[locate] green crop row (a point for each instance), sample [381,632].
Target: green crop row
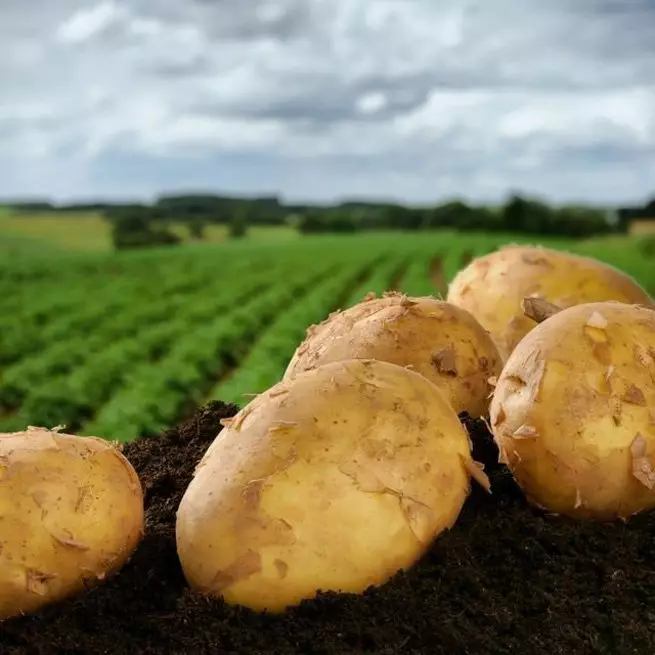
[126,344]
[264,365]
[47,360]
[48,397]
[156,394]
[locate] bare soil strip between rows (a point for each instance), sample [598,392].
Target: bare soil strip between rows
[7,415]
[358,281]
[234,363]
[161,354]
[437,277]
[396,282]
[466,258]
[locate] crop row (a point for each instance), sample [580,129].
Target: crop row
[155,395]
[142,329]
[110,306]
[126,345]
[70,398]
[265,363]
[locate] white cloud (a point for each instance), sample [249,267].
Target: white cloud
[330,97]
[371,103]
[88,23]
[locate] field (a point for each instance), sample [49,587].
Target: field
[129,344]
[88,232]
[134,344]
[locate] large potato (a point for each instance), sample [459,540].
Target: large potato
[331,481]
[437,339]
[71,514]
[340,321]
[573,412]
[492,287]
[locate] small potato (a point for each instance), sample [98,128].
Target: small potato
[492,287]
[71,514]
[573,412]
[334,480]
[434,338]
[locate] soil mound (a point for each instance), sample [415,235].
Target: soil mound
[506,579]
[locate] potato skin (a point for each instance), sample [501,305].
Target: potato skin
[339,323]
[437,339]
[333,480]
[573,412]
[493,287]
[71,514]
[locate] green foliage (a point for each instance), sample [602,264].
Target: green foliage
[135,227]
[126,344]
[239,223]
[519,214]
[333,220]
[646,245]
[628,214]
[197,228]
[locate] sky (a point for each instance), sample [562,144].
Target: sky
[417,101]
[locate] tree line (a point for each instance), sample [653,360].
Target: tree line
[137,225]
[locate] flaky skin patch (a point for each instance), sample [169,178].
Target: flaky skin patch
[443,342]
[572,411]
[335,484]
[494,287]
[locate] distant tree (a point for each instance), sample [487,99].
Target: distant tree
[514,214]
[338,220]
[528,216]
[646,245]
[135,228]
[581,222]
[398,217]
[309,222]
[454,214]
[335,219]
[238,226]
[196,228]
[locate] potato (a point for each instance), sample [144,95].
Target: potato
[573,412]
[71,514]
[437,339]
[492,287]
[339,321]
[331,481]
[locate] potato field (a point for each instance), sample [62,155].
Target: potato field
[411,476]
[129,344]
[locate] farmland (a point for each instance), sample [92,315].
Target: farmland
[89,231]
[128,344]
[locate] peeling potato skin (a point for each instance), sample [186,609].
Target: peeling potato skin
[493,287]
[436,339]
[334,326]
[574,410]
[333,480]
[71,514]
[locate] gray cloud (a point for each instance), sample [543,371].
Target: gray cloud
[329,97]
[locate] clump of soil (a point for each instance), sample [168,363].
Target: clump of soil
[506,579]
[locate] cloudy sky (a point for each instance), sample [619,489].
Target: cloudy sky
[417,100]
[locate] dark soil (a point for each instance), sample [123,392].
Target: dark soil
[506,580]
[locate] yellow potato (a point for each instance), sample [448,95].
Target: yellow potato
[492,287]
[436,339]
[339,321]
[71,514]
[331,481]
[573,412]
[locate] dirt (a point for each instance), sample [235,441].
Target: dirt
[467,258]
[396,282]
[437,276]
[506,579]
